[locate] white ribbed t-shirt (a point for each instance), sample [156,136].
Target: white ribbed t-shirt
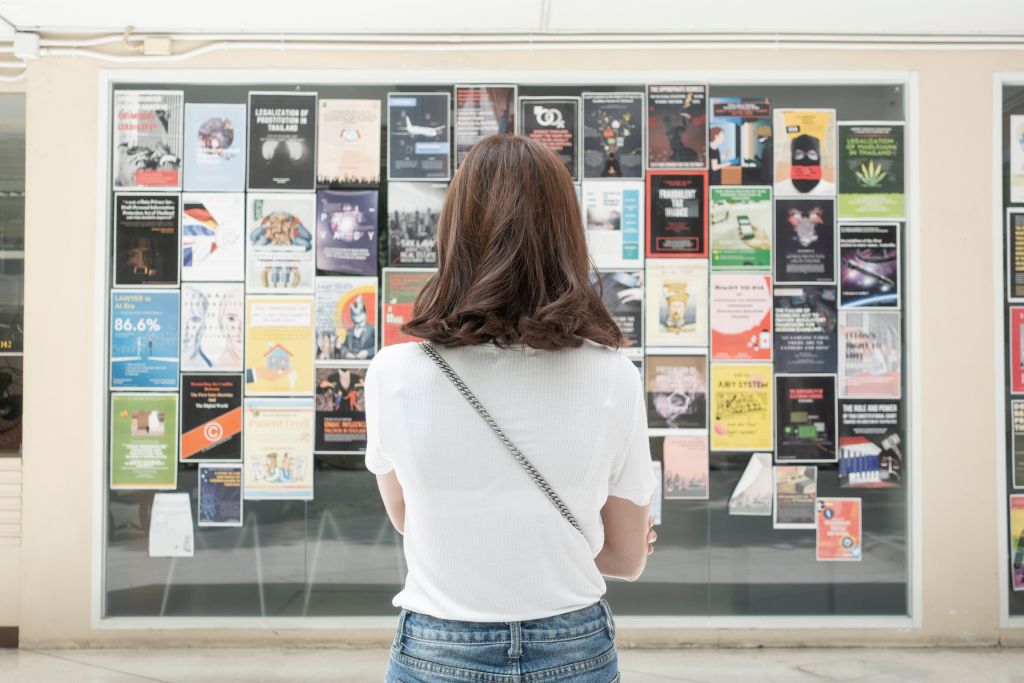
[482,542]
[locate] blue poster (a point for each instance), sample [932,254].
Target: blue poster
[144,339]
[220,494]
[215,144]
[346,225]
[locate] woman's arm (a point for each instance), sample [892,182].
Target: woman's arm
[628,539]
[394,499]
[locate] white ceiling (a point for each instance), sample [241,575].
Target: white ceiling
[807,18]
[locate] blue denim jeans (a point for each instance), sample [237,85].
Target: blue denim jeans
[576,646]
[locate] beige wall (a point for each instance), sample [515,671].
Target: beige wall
[956,457]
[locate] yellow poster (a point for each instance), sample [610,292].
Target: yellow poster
[805,152]
[278,345]
[741,407]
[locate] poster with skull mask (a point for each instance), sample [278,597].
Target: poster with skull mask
[805,152]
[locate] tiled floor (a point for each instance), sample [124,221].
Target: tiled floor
[638,666]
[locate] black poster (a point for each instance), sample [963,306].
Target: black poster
[805,418]
[613,135]
[870,444]
[869,264]
[623,292]
[146,240]
[282,141]
[419,142]
[12,387]
[806,329]
[677,126]
[211,417]
[677,391]
[676,218]
[340,410]
[805,241]
[555,123]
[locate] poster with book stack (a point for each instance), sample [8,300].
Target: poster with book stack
[264,247]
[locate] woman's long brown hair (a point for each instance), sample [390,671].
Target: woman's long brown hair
[513,266]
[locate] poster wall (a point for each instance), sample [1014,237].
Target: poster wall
[282,141]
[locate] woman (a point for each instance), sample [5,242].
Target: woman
[500,587]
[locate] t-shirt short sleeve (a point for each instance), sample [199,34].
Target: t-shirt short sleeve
[632,473]
[376,460]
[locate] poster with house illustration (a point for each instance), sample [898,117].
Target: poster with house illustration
[279,345]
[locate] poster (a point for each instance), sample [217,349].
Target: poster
[838,530]
[215,136]
[870,444]
[211,417]
[805,418]
[685,461]
[347,232]
[677,222]
[413,212]
[1015,254]
[677,391]
[741,407]
[794,491]
[806,329]
[676,305]
[346,318]
[419,147]
[282,141]
[805,152]
[340,409]
[143,441]
[213,237]
[805,240]
[613,214]
[555,123]
[871,170]
[399,289]
[623,295]
[1017,159]
[677,126]
[278,448]
[278,345]
[279,251]
[1016,444]
[12,392]
[740,138]
[753,493]
[869,265]
[348,142]
[147,139]
[870,354]
[741,228]
[481,111]
[220,494]
[146,239]
[1016,323]
[1017,541]
[741,316]
[656,496]
[613,135]
[211,326]
[144,339]
[170,526]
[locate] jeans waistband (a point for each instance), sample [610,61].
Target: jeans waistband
[577,623]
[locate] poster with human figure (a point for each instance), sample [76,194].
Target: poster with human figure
[340,409]
[613,135]
[419,141]
[146,239]
[346,318]
[278,448]
[279,252]
[740,141]
[212,327]
[677,126]
[147,139]
[805,152]
[144,339]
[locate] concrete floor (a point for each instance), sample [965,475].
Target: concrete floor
[637,666]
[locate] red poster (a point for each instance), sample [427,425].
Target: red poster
[741,316]
[1016,357]
[400,287]
[839,529]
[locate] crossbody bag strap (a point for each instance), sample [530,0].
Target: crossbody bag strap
[482,412]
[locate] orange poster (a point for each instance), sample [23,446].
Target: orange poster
[839,529]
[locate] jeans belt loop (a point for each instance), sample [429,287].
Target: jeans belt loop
[397,643]
[609,619]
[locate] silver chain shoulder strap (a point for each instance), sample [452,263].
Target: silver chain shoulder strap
[482,412]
